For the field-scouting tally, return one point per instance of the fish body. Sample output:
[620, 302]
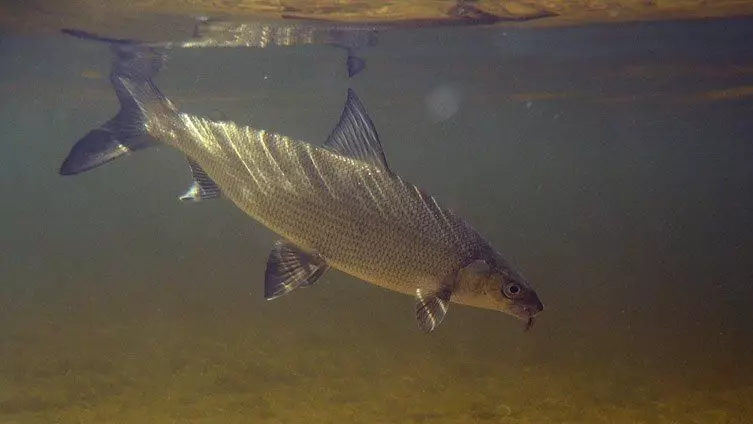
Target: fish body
[338, 205]
[361, 218]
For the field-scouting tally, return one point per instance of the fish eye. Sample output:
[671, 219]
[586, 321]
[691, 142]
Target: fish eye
[512, 290]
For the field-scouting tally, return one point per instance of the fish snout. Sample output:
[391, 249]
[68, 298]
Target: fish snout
[532, 310]
[532, 305]
[537, 307]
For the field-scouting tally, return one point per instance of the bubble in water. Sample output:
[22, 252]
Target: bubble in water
[443, 102]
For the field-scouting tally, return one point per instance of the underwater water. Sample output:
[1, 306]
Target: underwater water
[613, 165]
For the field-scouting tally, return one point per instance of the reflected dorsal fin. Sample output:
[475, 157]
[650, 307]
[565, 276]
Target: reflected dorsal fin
[355, 135]
[355, 64]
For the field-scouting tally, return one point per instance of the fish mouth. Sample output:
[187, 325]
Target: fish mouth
[528, 314]
[529, 323]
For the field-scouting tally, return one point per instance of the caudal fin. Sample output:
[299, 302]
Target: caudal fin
[131, 75]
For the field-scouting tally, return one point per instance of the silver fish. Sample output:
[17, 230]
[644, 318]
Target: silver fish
[296, 31]
[335, 206]
[215, 33]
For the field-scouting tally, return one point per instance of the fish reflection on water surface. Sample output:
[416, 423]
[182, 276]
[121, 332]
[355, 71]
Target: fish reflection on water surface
[338, 205]
[296, 31]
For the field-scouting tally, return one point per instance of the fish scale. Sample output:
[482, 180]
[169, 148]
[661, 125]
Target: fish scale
[350, 232]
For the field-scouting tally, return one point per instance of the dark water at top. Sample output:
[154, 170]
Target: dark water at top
[613, 165]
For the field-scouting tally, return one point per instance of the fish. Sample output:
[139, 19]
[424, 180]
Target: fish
[292, 30]
[338, 205]
[219, 33]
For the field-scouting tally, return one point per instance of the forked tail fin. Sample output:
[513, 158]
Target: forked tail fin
[133, 67]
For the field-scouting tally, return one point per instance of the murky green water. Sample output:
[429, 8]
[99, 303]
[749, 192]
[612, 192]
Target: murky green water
[612, 165]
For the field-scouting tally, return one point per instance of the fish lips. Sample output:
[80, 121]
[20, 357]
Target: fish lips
[527, 313]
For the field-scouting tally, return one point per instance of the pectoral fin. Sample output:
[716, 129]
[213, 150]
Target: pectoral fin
[288, 268]
[431, 308]
[202, 186]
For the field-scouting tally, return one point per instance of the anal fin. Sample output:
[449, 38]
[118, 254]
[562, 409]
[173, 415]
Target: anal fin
[288, 268]
[202, 187]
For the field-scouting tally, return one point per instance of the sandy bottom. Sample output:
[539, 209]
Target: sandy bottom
[183, 352]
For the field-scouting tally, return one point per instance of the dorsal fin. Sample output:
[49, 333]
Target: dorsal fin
[355, 135]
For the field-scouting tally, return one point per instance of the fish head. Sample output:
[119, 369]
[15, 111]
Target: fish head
[509, 292]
